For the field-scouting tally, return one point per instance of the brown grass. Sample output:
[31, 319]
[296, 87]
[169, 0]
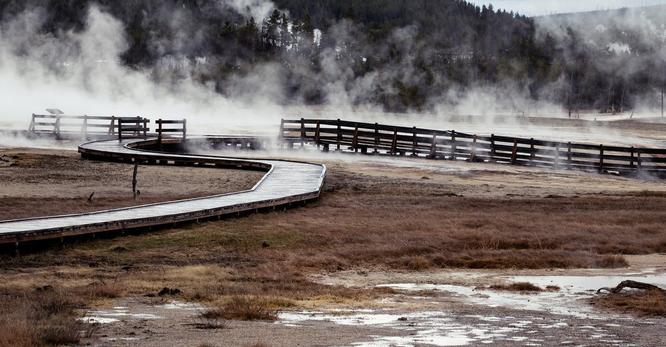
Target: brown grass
[644, 303]
[243, 308]
[517, 287]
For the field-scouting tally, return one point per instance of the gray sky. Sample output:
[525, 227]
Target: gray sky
[543, 7]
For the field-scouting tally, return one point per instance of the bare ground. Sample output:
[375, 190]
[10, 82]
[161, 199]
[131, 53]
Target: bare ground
[418, 216]
[39, 182]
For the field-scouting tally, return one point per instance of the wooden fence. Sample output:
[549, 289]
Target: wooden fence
[64, 124]
[453, 145]
[166, 127]
[135, 126]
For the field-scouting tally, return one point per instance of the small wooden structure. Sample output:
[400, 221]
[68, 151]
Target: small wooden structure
[132, 127]
[453, 145]
[165, 127]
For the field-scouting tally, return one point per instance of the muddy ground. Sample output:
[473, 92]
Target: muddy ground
[322, 268]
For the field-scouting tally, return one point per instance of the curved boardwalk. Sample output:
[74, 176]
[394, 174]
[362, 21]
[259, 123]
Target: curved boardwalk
[284, 183]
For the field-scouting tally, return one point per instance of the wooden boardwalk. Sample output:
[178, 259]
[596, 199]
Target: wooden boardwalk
[285, 183]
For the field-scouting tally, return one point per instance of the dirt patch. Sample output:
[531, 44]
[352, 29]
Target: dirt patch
[38, 182]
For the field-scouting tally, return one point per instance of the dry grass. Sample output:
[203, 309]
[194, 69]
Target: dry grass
[243, 308]
[644, 303]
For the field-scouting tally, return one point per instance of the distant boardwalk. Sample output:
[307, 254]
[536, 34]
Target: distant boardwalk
[284, 183]
[453, 145]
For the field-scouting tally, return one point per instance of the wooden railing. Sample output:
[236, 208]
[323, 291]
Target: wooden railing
[449, 144]
[132, 127]
[83, 125]
[165, 127]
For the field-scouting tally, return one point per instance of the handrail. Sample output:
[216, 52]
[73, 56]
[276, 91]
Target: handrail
[453, 145]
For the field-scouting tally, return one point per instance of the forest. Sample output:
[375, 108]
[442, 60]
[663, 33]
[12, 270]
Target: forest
[400, 55]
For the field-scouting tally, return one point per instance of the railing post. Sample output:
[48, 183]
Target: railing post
[31, 127]
[56, 126]
[184, 129]
[569, 153]
[601, 158]
[492, 147]
[532, 154]
[339, 137]
[514, 152]
[557, 156]
[453, 145]
[281, 135]
[318, 134]
[112, 127]
[639, 160]
[120, 129]
[159, 132]
[145, 128]
[394, 145]
[414, 143]
[433, 148]
[631, 160]
[302, 132]
[472, 155]
[355, 140]
[376, 139]
[84, 128]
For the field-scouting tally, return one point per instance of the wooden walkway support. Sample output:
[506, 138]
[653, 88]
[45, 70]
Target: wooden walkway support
[431, 143]
[285, 183]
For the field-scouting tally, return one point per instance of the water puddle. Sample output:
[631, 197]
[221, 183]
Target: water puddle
[114, 315]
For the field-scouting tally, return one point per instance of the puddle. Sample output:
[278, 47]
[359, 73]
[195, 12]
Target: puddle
[442, 328]
[569, 300]
[114, 315]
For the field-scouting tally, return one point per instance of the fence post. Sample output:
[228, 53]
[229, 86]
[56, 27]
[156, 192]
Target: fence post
[281, 135]
[339, 135]
[120, 129]
[639, 160]
[601, 158]
[112, 126]
[472, 155]
[433, 148]
[84, 127]
[414, 143]
[394, 145]
[569, 155]
[31, 127]
[557, 156]
[355, 140]
[302, 132]
[318, 134]
[514, 152]
[56, 126]
[532, 154]
[184, 129]
[453, 145]
[492, 147]
[159, 132]
[145, 128]
[376, 138]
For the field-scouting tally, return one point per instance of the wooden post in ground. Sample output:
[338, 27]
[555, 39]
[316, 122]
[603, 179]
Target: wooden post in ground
[134, 179]
[601, 158]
